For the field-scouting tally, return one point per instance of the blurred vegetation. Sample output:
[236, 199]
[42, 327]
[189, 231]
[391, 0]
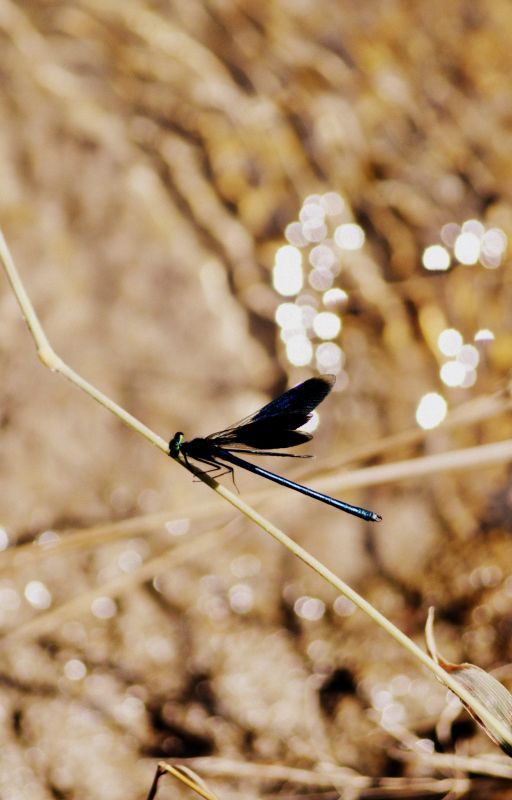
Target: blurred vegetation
[152, 157]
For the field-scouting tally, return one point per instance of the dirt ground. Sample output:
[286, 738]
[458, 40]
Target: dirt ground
[154, 159]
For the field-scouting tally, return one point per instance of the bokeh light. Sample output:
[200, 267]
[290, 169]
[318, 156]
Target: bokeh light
[329, 357]
[288, 316]
[467, 248]
[287, 274]
[349, 236]
[461, 369]
[470, 242]
[335, 297]
[4, 539]
[312, 211]
[320, 279]
[241, 598]
[314, 229]
[468, 355]
[431, 410]
[75, 669]
[325, 244]
[333, 203]
[473, 226]
[484, 335]
[178, 527]
[129, 560]
[327, 325]
[38, 595]
[452, 373]
[104, 607]
[322, 257]
[449, 233]
[299, 350]
[493, 246]
[308, 314]
[309, 608]
[470, 377]
[450, 342]
[294, 235]
[343, 606]
[48, 537]
[436, 257]
[312, 423]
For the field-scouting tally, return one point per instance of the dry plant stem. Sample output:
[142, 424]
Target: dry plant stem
[228, 768]
[484, 455]
[50, 359]
[54, 362]
[363, 605]
[162, 768]
[452, 761]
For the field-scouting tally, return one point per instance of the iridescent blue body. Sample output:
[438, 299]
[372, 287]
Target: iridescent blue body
[272, 427]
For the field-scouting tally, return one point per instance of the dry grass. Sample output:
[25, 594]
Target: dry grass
[152, 156]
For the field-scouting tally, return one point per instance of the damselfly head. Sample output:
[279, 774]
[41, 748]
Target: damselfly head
[176, 443]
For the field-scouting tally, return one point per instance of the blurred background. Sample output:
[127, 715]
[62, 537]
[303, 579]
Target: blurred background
[209, 202]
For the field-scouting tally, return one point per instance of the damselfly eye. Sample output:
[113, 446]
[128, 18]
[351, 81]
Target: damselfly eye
[176, 443]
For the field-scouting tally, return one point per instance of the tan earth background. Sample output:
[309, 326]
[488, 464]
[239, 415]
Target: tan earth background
[152, 158]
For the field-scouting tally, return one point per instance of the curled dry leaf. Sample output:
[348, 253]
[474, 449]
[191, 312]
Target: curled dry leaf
[486, 690]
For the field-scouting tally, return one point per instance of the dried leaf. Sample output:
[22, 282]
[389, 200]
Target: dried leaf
[483, 687]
